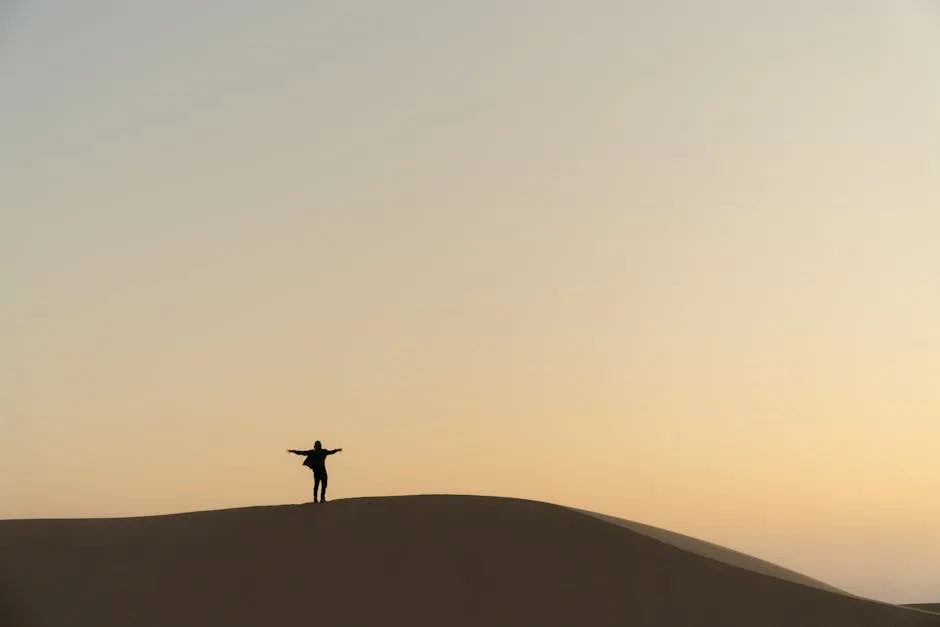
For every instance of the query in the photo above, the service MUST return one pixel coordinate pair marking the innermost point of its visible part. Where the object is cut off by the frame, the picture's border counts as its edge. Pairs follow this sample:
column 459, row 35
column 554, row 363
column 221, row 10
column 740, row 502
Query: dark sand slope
column 416, row 561
column 718, row 553
column 927, row 607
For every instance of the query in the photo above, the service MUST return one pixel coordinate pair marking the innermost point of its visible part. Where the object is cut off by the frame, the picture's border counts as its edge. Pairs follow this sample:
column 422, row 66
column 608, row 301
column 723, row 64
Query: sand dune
column 418, row 560
column 718, row 553
column 927, row 607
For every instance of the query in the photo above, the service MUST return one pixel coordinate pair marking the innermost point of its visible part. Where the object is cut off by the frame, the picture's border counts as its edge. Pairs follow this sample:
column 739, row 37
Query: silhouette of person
column 316, row 461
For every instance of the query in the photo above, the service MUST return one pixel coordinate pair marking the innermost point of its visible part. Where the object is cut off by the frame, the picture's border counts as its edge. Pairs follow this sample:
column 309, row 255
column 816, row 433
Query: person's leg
column 316, row 485
column 323, row 488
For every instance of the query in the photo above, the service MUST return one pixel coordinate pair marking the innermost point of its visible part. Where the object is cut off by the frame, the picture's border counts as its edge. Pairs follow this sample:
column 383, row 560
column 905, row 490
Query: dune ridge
column 408, row 560
column 933, row 608
column 718, row 553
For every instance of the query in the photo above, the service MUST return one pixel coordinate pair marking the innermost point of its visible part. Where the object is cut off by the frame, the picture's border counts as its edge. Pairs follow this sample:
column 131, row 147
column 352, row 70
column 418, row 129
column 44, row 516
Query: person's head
column 317, row 446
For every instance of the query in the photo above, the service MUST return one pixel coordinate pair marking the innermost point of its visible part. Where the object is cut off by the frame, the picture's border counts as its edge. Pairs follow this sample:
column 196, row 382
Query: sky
column 671, row 261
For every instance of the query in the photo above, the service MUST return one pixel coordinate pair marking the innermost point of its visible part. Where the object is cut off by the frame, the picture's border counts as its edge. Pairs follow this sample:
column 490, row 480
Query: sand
column 927, row 607
column 429, row 560
column 718, row 553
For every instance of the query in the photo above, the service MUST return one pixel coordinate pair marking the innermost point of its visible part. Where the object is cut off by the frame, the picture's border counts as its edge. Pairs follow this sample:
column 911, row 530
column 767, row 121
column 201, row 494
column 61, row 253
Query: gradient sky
column 673, row 261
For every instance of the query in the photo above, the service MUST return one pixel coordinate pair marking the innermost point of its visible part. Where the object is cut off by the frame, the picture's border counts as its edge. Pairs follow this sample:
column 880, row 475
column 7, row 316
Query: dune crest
column 716, row 552
column 933, row 608
column 411, row 560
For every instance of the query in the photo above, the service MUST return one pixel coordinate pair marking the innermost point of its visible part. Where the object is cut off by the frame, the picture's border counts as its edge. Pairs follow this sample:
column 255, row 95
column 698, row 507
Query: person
column 316, row 461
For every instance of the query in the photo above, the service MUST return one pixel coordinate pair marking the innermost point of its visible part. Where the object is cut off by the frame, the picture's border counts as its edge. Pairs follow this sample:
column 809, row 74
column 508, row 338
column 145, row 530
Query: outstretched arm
column 335, row 450
column 290, row 450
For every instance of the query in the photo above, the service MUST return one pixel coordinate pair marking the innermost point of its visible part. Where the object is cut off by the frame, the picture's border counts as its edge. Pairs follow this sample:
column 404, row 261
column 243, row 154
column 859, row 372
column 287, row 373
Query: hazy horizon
column 665, row 262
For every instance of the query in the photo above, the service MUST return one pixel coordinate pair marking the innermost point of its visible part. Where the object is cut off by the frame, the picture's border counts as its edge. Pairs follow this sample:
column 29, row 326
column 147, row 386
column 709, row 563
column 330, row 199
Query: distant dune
column 419, row 561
